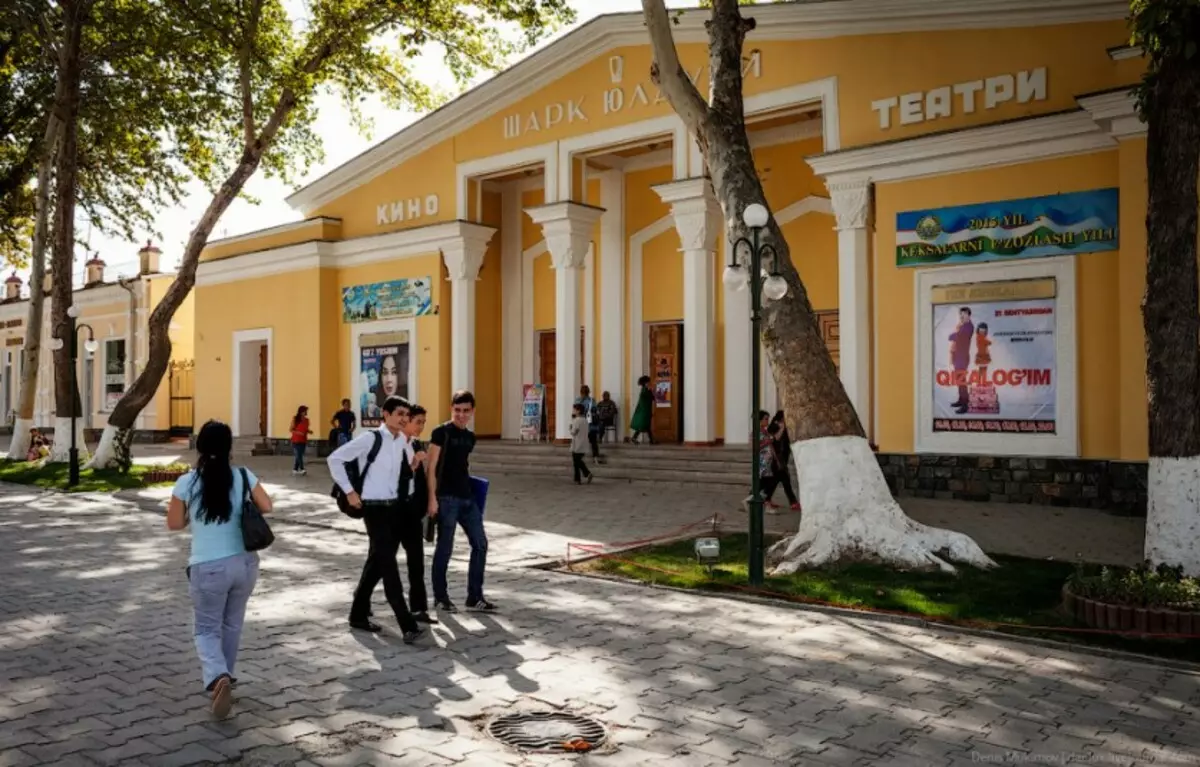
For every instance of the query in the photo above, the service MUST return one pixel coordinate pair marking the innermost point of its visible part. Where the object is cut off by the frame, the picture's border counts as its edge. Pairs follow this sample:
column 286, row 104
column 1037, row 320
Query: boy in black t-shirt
column 343, row 423
column 452, row 503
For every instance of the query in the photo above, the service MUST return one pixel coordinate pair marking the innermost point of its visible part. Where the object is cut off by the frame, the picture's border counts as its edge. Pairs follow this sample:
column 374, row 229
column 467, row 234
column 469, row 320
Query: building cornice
column 1116, row 112
column 317, row 254
column 1123, row 52
column 1008, row 143
column 281, row 229
column 782, row 21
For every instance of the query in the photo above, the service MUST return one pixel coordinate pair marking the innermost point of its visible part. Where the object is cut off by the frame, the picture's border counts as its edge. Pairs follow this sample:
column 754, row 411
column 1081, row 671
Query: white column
column 612, row 289
column 513, row 301
column 464, row 258
column 852, row 207
column 697, row 220
column 567, row 228
column 737, row 361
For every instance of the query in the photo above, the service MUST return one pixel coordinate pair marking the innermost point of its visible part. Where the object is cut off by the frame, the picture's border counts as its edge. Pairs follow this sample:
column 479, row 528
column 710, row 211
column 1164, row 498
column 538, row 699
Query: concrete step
column 643, row 472
column 619, row 452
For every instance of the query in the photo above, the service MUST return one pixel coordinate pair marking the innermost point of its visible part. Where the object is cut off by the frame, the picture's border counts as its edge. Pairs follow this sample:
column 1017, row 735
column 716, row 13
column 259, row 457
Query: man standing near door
column 452, row 503
column 381, row 504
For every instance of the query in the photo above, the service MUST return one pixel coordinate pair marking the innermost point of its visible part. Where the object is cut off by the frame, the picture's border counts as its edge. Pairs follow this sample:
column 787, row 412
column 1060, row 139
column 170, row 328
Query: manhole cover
column 548, row 731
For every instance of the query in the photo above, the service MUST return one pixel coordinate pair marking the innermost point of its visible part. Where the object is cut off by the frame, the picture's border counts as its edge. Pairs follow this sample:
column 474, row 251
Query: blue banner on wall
column 1061, row 224
column 387, row 300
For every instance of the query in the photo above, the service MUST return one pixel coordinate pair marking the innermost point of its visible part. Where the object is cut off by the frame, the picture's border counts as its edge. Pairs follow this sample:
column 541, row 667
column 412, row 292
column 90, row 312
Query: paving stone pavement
column 97, row 667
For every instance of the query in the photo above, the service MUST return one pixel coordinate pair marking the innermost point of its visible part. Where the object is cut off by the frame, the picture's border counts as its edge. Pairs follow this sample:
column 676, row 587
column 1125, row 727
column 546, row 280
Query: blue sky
column 342, row 142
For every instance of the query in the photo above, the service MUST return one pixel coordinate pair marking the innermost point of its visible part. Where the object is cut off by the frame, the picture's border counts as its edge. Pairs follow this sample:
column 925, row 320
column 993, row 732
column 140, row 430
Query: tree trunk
column 1171, row 316
column 31, row 355
column 66, row 392
column 114, row 449
column 849, row 513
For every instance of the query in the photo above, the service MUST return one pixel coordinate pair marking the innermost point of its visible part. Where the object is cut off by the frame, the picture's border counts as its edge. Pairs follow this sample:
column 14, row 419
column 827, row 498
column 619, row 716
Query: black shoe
column 445, row 606
column 366, row 625
column 424, row 617
column 589, row 478
column 482, row 606
column 411, row 636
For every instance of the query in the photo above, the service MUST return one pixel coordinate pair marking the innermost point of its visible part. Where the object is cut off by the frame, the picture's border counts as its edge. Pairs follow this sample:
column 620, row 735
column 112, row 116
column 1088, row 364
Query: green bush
column 1143, row 586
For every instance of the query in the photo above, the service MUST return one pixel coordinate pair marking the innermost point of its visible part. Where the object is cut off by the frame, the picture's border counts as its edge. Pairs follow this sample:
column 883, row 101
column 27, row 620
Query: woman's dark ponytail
column 215, row 473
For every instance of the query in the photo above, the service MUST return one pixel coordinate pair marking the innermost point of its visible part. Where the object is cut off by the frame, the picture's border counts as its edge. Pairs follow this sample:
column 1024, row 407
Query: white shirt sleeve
column 354, row 450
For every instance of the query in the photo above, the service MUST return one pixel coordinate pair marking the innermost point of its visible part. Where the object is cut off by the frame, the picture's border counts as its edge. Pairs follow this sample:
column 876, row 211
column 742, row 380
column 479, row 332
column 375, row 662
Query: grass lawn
column 54, row 476
column 1025, row 592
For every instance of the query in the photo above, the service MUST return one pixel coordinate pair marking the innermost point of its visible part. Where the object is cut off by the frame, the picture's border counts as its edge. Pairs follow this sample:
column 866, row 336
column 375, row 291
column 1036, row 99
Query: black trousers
column 772, row 482
column 594, row 441
column 581, row 469
column 410, row 529
column 382, row 523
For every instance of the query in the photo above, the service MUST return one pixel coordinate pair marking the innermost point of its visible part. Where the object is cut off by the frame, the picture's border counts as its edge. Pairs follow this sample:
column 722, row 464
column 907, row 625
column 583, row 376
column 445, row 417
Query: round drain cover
column 548, row 731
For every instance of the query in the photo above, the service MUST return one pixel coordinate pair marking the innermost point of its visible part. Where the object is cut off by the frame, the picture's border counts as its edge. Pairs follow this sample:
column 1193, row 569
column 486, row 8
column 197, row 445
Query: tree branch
column 244, row 72
column 668, row 73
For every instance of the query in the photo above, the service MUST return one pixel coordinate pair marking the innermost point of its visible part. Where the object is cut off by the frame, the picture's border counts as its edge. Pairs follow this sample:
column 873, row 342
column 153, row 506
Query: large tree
column 1169, row 32
column 276, row 66
column 849, row 513
column 134, row 146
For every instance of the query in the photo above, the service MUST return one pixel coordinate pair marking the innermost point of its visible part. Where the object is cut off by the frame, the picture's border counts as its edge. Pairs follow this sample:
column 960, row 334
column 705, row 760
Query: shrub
column 1143, row 586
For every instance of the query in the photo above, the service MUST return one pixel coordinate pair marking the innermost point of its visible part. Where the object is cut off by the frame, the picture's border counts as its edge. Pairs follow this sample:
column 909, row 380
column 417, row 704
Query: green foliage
column 1168, row 31
column 53, row 476
column 1143, row 586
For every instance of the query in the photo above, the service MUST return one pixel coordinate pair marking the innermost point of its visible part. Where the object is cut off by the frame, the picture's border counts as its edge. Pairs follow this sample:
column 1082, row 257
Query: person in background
column 413, row 512
column 781, row 444
column 642, row 414
column 381, row 505
column 343, row 423
column 39, row 446
column 593, row 421
column 221, row 573
column 578, row 429
column 452, row 503
column 300, row 432
column 606, row 409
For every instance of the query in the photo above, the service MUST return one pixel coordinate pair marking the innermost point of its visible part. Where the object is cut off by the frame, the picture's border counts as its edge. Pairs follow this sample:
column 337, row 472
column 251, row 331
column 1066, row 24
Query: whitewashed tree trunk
column 1171, row 312
column 849, row 514
column 60, row 449
column 114, row 449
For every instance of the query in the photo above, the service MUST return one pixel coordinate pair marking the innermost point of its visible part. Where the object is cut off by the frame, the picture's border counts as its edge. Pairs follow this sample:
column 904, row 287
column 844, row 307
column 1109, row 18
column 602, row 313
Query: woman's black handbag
column 256, row 533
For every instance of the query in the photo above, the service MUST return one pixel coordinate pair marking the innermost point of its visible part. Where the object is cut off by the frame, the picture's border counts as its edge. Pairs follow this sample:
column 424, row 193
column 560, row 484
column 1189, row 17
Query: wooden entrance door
column 666, row 380
column 548, row 373
column 262, row 390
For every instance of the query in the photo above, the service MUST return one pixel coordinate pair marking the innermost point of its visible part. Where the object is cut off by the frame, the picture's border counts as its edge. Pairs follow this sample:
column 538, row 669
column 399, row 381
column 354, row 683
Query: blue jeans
column 298, row 452
column 453, row 512
column 220, row 590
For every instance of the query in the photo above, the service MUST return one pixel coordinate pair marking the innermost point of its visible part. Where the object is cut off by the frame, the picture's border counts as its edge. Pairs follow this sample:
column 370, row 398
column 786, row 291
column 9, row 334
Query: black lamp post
column 773, row 288
column 90, row 345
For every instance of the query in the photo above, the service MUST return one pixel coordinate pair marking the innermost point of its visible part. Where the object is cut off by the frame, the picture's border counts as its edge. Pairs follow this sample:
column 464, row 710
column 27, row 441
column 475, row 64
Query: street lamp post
column 774, row 287
column 90, row 345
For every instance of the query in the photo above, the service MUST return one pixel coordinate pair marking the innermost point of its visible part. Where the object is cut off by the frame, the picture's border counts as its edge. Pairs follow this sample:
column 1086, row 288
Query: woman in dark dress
column 640, row 424
column 782, row 446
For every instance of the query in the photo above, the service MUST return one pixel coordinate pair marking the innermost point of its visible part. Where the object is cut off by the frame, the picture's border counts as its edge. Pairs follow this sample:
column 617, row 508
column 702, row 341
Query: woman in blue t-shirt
column 221, row 573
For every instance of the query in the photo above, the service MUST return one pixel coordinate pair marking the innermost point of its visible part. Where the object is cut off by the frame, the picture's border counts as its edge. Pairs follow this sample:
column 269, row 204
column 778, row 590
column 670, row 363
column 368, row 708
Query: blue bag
column 479, row 486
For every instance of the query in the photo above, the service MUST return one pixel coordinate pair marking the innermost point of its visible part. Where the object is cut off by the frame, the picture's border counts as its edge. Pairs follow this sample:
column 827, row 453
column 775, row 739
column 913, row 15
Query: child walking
column 300, row 432
column 579, row 443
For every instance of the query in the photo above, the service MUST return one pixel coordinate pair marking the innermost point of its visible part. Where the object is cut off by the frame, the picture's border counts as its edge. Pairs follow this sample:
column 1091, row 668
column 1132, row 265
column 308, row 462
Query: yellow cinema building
column 922, row 157
column 116, row 311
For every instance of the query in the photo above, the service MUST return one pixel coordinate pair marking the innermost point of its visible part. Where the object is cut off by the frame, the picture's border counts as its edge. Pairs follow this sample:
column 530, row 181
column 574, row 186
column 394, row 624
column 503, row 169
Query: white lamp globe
column 775, row 287
column 755, row 216
column 734, row 277
column 72, row 311
column 91, row 346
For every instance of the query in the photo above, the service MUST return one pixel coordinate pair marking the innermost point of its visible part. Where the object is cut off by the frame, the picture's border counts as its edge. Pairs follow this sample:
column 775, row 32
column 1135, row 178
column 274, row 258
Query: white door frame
column 240, row 338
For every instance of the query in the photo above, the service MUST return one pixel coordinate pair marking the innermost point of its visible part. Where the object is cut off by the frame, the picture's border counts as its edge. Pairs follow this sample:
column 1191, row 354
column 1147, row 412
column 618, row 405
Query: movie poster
column 995, row 360
column 383, row 373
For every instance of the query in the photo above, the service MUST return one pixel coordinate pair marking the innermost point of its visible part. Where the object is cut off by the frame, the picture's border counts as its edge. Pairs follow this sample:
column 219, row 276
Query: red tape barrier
column 601, row 550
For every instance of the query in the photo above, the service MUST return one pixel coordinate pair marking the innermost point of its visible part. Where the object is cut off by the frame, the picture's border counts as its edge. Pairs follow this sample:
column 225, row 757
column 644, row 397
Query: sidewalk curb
column 843, row 612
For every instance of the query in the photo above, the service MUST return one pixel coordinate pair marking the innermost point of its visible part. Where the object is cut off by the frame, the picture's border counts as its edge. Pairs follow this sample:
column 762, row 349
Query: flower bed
column 168, row 473
column 1145, row 600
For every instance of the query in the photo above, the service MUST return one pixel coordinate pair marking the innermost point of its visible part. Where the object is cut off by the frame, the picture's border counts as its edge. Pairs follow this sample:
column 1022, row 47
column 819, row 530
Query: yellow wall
column 868, row 67
column 488, row 330
column 286, row 304
column 1097, row 293
column 1131, row 280
column 431, row 172
column 813, row 243
column 309, row 230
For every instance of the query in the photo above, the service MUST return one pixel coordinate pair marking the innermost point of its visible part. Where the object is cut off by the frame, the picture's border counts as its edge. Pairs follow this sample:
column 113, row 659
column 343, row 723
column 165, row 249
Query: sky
column 342, row 141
